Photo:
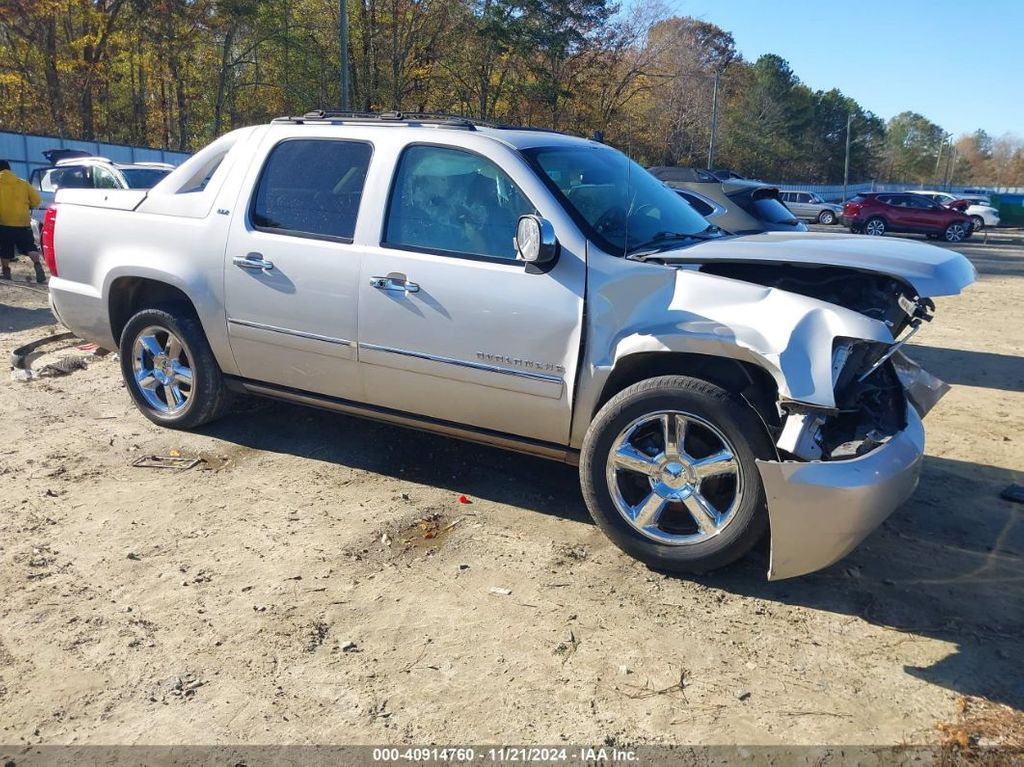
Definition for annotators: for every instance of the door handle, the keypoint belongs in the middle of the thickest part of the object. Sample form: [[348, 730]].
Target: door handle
[[254, 261], [394, 283]]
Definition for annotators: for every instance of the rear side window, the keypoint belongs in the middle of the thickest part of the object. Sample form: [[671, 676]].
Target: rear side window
[[764, 205], [696, 203], [452, 202], [312, 188]]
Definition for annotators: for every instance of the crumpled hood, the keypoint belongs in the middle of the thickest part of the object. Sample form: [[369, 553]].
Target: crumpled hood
[[930, 270]]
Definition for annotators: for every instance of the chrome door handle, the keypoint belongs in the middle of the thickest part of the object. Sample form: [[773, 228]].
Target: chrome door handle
[[394, 283], [254, 261]]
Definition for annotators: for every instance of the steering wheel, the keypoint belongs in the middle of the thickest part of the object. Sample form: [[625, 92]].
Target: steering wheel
[[617, 218]]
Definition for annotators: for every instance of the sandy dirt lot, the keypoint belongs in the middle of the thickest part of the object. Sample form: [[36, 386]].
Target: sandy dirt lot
[[316, 580]]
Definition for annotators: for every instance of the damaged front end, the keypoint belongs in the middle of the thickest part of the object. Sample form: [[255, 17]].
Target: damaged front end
[[845, 469]]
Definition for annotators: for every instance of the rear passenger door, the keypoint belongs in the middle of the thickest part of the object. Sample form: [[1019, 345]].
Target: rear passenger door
[[291, 271]]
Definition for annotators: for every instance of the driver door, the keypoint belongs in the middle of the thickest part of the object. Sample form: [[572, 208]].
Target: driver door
[[451, 325]]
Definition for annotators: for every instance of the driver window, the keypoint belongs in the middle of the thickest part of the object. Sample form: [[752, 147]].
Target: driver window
[[455, 203]]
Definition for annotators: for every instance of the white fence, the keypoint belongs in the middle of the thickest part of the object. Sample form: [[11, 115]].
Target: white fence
[[834, 192]]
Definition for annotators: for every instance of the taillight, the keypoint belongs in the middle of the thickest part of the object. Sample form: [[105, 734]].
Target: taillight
[[49, 254], [851, 208]]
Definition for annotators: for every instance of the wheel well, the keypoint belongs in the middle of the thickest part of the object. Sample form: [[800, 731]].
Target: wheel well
[[751, 382], [128, 295]]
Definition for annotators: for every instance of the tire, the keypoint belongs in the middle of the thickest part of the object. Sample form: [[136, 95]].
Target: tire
[[203, 394], [955, 232], [716, 423], [979, 223], [826, 217], [875, 226]]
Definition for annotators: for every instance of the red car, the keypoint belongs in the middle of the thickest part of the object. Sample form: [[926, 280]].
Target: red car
[[880, 212]]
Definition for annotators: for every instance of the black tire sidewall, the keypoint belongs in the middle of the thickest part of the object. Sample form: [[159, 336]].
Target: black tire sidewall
[[879, 219], [826, 214], [727, 412], [208, 397]]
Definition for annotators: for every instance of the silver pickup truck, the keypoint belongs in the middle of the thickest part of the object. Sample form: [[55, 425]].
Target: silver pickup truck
[[530, 290]]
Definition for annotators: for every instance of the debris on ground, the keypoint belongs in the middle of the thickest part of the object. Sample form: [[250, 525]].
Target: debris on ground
[[742, 694], [981, 723], [500, 591], [179, 462]]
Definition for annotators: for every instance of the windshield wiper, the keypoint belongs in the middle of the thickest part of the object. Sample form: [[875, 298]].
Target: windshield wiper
[[639, 253]]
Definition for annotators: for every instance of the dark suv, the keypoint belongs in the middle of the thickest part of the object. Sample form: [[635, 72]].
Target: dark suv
[[879, 212]]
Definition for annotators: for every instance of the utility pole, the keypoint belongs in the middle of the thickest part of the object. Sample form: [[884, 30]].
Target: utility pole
[[714, 119], [846, 163], [343, 40], [938, 159]]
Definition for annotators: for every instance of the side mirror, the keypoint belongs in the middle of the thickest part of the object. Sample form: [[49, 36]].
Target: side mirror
[[535, 240]]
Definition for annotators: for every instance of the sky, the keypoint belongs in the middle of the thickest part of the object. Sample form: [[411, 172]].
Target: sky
[[960, 64]]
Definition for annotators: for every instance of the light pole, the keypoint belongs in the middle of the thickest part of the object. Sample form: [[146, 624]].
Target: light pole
[[846, 162], [714, 120], [343, 40]]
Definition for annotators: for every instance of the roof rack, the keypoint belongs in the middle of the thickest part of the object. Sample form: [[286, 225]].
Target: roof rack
[[395, 118], [432, 119]]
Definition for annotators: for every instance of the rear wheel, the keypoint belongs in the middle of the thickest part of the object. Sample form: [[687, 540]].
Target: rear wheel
[[875, 227], [169, 369], [668, 473], [955, 232], [826, 217]]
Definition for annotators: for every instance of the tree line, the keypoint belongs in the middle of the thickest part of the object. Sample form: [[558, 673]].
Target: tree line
[[177, 73]]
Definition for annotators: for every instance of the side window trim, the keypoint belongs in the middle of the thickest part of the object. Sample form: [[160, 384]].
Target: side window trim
[[254, 194], [385, 243]]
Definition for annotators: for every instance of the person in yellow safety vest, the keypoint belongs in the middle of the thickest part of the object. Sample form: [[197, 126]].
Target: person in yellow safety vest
[[17, 198]]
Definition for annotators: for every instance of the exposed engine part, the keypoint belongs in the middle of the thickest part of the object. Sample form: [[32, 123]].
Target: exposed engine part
[[874, 295], [872, 408], [801, 436]]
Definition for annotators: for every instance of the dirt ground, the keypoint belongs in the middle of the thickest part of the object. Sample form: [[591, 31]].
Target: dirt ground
[[317, 580]]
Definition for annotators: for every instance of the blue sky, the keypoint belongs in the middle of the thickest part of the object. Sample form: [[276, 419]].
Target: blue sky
[[960, 64]]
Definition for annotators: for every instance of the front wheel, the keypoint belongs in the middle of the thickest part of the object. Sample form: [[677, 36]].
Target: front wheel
[[169, 369], [955, 232], [668, 473], [979, 223], [827, 217]]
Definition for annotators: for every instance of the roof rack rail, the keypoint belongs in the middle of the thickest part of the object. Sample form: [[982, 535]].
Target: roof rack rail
[[433, 119], [397, 118]]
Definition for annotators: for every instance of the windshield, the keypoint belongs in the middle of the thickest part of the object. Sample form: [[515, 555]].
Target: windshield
[[143, 178], [617, 204], [817, 200]]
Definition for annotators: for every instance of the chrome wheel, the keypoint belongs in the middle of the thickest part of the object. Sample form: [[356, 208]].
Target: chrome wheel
[[674, 478], [827, 217], [875, 227], [955, 232], [162, 370], [979, 223]]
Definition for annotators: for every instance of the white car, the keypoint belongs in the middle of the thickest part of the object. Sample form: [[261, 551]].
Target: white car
[[980, 209]]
